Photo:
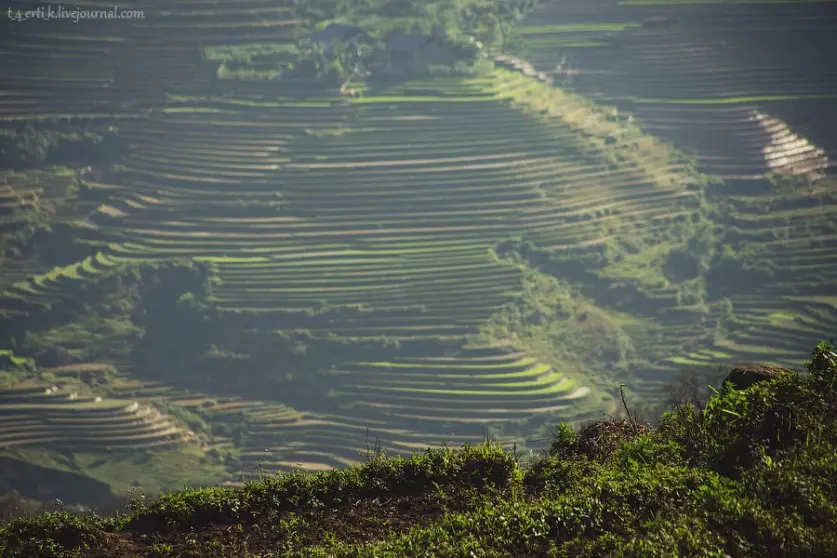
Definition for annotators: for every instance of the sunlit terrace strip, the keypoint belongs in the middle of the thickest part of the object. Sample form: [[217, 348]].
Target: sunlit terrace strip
[[553, 388], [435, 364], [422, 99], [347, 274], [138, 113], [576, 28], [735, 100], [482, 383], [437, 377]]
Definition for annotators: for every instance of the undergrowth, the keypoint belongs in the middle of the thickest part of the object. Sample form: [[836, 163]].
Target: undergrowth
[[751, 473]]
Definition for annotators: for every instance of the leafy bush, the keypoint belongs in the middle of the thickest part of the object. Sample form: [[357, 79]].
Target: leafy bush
[[737, 427], [25, 147], [475, 466], [50, 535]]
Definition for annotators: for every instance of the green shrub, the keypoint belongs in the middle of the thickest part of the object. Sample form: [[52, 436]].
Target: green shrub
[[737, 426], [564, 439], [471, 467], [50, 535]]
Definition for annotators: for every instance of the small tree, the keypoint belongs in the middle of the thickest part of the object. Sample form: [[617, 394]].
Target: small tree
[[339, 62], [312, 60]]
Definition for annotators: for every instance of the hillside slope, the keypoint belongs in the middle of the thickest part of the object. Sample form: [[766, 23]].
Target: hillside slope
[[749, 475]]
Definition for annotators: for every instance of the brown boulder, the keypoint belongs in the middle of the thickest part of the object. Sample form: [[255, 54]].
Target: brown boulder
[[746, 376]]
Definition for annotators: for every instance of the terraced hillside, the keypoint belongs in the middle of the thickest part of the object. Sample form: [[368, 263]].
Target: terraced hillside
[[722, 80], [41, 415], [402, 241], [435, 259], [743, 88]]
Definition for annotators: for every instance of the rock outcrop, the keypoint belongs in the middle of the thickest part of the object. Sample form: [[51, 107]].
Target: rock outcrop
[[746, 376]]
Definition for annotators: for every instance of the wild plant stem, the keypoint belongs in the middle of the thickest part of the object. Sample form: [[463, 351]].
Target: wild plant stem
[[625, 404]]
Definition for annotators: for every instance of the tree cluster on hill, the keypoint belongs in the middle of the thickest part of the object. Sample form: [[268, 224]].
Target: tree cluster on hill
[[380, 38], [31, 146]]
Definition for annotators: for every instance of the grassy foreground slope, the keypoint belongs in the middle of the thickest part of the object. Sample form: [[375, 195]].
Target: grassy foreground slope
[[287, 274], [749, 474]]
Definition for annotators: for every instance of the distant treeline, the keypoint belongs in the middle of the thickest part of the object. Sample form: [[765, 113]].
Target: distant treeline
[[29, 146], [356, 40]]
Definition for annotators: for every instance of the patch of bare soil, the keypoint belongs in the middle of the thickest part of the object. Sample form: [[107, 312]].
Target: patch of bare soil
[[356, 523]]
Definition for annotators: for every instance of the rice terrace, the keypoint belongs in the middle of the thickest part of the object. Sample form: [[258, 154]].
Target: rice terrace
[[242, 237]]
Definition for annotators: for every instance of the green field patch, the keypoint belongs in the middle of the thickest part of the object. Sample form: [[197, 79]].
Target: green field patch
[[717, 355], [781, 319]]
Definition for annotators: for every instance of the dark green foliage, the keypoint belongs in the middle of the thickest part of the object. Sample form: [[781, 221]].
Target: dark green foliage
[[26, 147], [731, 269], [597, 513], [556, 474], [55, 243], [647, 448], [451, 470], [682, 265], [438, 37], [334, 62], [738, 427], [50, 535], [564, 439], [120, 304], [580, 270]]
